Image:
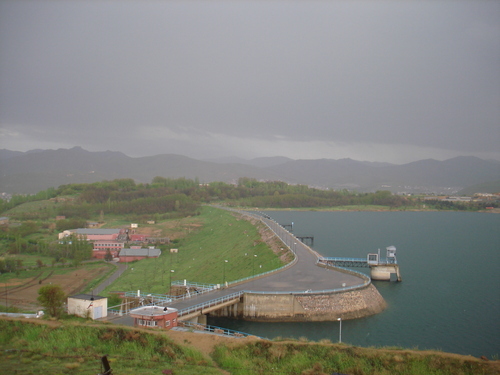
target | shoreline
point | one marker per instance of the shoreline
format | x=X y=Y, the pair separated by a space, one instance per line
x=360 y=209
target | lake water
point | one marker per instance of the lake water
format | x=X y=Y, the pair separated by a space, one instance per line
x=449 y=298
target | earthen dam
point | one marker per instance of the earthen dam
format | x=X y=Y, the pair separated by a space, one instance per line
x=303 y=290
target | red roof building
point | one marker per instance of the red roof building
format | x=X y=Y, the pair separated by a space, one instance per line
x=154 y=317
x=101 y=248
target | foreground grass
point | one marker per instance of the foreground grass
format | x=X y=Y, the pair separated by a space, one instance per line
x=202 y=255
x=265 y=357
x=48 y=347
x=32 y=348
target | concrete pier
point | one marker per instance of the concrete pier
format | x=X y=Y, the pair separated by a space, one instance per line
x=386 y=272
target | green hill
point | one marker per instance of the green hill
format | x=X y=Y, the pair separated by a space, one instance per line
x=50 y=347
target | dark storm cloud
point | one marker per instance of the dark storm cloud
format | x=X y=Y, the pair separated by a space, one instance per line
x=363 y=79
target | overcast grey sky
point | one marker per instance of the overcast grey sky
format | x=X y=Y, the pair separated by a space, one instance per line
x=392 y=81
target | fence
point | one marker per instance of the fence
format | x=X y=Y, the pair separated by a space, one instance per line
x=214 y=329
x=210 y=303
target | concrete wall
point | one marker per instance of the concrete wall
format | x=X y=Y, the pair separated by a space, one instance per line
x=384 y=272
x=87 y=308
x=271 y=307
x=306 y=307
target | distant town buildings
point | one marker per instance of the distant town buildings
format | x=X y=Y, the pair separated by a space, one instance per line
x=111 y=243
x=129 y=255
x=93 y=234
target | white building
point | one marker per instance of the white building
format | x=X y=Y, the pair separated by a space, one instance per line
x=88 y=306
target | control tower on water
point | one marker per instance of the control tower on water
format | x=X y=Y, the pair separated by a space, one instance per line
x=384 y=269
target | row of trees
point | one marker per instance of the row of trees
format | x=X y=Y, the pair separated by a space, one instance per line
x=182 y=197
x=10 y=265
x=72 y=248
x=163 y=195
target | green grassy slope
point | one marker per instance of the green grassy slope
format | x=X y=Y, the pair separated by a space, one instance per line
x=48 y=347
x=201 y=256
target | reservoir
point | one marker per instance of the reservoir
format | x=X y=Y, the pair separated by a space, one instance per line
x=449 y=298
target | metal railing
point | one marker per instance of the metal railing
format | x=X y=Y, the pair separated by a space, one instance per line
x=152 y=296
x=334 y=259
x=213 y=302
x=215 y=330
x=194 y=285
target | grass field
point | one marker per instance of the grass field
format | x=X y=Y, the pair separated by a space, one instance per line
x=215 y=236
x=31 y=207
x=31 y=260
x=76 y=349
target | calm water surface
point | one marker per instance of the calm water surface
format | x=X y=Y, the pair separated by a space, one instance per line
x=450 y=295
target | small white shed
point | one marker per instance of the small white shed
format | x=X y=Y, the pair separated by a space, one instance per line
x=88 y=306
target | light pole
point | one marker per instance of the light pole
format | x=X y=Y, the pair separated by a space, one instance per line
x=170 y=288
x=224 y=273
x=340 y=330
x=253 y=265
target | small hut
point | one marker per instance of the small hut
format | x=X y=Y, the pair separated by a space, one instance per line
x=88 y=306
x=155 y=317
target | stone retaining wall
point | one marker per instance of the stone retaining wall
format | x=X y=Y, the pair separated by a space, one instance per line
x=312 y=307
x=346 y=305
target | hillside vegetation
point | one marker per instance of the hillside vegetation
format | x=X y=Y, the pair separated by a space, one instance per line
x=46 y=347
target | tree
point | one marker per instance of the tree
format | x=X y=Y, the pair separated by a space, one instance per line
x=52 y=298
x=108 y=256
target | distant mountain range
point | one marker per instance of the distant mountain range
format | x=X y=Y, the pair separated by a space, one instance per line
x=32 y=171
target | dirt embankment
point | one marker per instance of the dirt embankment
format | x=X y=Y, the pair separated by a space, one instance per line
x=269 y=237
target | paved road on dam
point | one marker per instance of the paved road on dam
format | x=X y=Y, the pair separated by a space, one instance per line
x=304 y=275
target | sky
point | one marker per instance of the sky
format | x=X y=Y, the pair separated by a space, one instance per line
x=389 y=81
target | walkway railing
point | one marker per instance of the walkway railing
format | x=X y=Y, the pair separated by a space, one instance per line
x=344 y=262
x=214 y=329
x=195 y=285
x=151 y=296
x=213 y=302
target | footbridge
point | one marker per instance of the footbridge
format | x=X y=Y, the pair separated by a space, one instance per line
x=306 y=289
x=345 y=262
x=380 y=268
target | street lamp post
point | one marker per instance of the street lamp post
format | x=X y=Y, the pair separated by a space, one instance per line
x=340 y=329
x=170 y=288
x=224 y=273
x=253 y=265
